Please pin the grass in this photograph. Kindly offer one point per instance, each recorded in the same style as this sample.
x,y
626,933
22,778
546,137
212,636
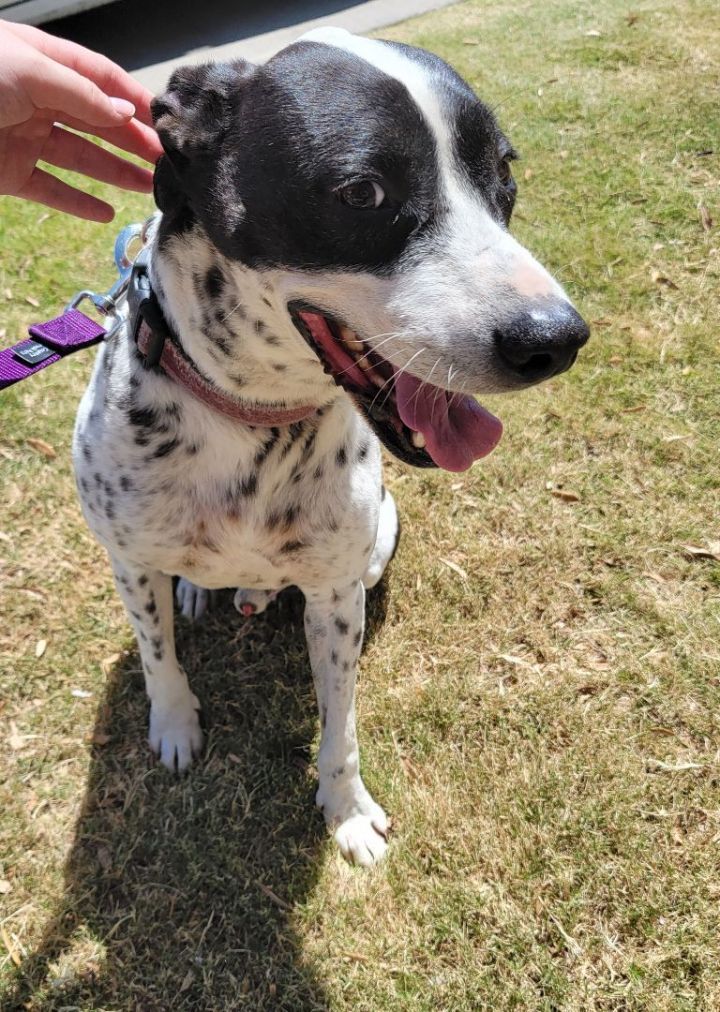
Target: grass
x,y
541,718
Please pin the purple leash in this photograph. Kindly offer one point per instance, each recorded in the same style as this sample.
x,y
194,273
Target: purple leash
x,y
57,338
49,342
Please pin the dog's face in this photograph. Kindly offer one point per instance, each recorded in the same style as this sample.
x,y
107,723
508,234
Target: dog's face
x,y
375,188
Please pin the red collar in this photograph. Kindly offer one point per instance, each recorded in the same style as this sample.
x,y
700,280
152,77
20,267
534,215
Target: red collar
x,y
181,369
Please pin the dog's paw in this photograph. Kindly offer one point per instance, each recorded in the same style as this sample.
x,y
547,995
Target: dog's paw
x,y
361,841
192,601
252,602
360,825
175,734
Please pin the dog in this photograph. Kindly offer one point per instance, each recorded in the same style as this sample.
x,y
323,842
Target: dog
x,y
331,271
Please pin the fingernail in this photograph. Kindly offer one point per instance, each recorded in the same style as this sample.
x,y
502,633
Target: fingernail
x,y
123,107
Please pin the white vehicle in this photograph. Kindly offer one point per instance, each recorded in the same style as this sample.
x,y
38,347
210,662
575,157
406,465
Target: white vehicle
x,y
35,12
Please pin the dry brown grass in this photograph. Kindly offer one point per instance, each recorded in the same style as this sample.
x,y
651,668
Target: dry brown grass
x,y
540,718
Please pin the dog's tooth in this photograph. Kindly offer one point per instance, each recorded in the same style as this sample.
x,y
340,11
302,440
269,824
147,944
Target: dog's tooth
x,y
351,339
418,440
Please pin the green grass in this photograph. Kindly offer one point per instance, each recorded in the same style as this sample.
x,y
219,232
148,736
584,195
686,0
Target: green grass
x,y
544,730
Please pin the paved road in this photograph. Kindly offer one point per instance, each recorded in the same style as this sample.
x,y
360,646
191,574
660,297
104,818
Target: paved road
x,y
150,37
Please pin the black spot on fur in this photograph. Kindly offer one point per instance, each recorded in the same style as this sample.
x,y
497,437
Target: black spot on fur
x,y
279,367
346,666
145,418
84,485
165,448
357,637
333,657
97,478
142,440
318,472
341,457
267,302
272,340
214,282
151,606
87,452
291,546
142,581
109,511
109,490
191,449
342,626
266,449
218,340
363,451
126,483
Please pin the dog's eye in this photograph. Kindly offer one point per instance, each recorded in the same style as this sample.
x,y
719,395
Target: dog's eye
x,y
363,194
506,176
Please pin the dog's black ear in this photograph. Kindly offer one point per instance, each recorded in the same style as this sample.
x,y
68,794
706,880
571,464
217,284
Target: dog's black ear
x,y
191,119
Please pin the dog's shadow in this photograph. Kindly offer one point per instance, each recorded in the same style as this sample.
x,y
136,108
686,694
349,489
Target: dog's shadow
x,y
179,893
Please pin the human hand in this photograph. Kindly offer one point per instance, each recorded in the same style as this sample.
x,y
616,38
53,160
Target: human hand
x,y
45,81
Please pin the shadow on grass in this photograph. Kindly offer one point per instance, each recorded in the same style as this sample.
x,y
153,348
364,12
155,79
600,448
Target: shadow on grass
x,y
188,884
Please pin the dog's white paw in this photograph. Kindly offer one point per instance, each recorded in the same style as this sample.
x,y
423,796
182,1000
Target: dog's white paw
x,y
192,601
175,734
360,824
361,841
252,602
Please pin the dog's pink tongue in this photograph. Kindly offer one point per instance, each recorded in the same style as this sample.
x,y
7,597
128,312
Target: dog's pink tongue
x,y
457,430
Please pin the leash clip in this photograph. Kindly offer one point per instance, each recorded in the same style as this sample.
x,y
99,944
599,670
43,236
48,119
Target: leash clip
x,y
124,255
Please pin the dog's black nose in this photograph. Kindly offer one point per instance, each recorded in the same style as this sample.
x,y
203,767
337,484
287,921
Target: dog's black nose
x,y
542,343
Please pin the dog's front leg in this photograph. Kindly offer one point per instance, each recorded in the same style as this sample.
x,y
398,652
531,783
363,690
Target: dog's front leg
x,y
175,733
334,622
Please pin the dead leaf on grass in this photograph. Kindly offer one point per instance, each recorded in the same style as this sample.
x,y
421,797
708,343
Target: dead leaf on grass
x,y
565,495
5,887
108,663
705,217
42,447
32,301
663,279
455,568
10,946
40,648
187,981
711,551
659,764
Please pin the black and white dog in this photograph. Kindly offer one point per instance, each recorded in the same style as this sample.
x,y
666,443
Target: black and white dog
x,y
333,260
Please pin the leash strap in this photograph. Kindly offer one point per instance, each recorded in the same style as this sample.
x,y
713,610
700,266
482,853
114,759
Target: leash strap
x,y
48,343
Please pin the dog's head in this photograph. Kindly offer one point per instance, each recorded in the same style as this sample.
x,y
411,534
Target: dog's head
x,y
376,189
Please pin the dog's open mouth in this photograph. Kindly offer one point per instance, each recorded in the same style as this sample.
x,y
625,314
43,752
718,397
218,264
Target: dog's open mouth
x,y
421,424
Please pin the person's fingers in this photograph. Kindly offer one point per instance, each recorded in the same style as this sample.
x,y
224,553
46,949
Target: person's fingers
x,y
108,76
67,150
71,94
46,189
133,137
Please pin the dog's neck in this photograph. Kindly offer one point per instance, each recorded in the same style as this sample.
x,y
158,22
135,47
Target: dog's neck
x,y
231,322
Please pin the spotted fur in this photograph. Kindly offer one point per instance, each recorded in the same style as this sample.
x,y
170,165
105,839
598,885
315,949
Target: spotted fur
x,y
171,487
